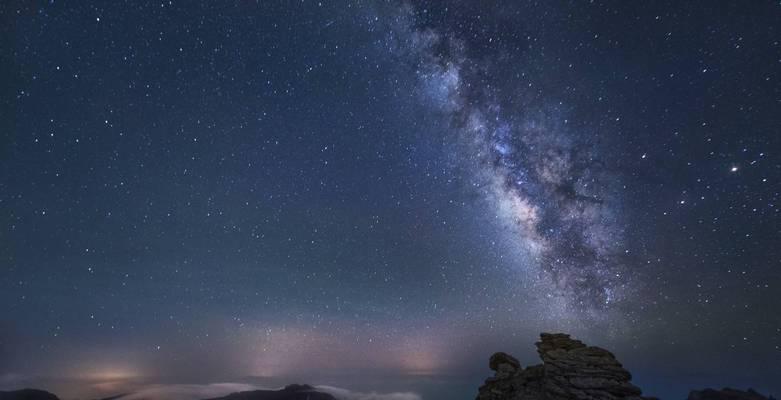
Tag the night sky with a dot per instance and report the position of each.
(379, 195)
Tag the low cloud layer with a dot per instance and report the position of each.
(188, 392)
(344, 394)
(199, 392)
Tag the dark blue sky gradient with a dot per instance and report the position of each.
(378, 195)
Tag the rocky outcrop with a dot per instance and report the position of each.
(570, 370)
(726, 394)
(27, 394)
(504, 364)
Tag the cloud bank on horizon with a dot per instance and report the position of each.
(206, 391)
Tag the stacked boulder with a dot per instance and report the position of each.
(570, 370)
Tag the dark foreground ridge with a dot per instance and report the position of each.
(290, 392)
(726, 394)
(27, 394)
(571, 370)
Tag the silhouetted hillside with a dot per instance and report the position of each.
(27, 394)
(726, 394)
(290, 392)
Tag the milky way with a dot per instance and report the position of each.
(547, 181)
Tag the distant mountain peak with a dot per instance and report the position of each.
(289, 392)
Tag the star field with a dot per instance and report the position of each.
(379, 195)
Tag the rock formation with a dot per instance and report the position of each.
(570, 370)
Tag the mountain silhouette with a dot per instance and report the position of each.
(290, 392)
(27, 394)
